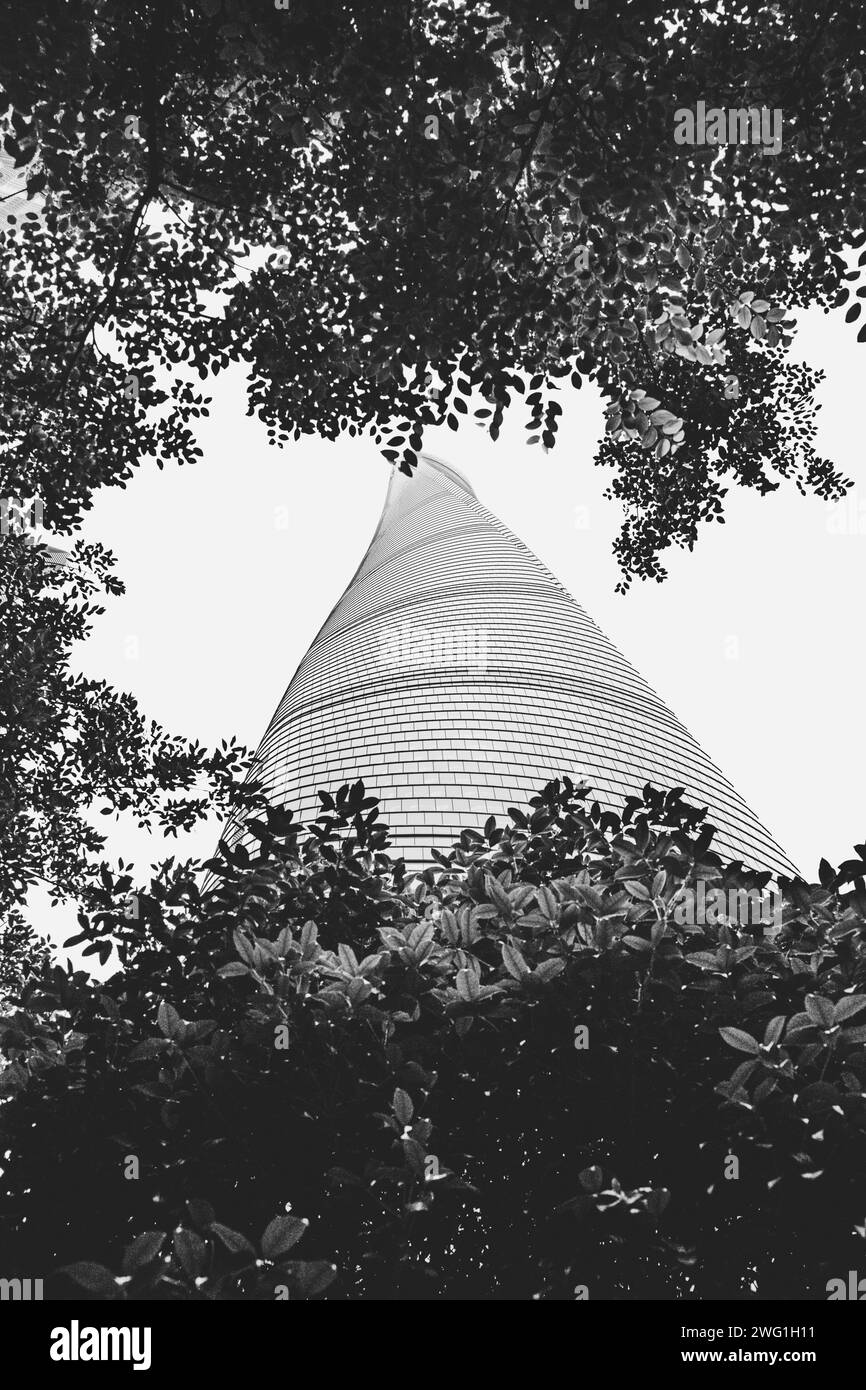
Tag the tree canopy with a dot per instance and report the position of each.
(414, 212)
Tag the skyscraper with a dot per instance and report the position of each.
(456, 675)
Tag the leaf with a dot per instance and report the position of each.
(169, 1020)
(820, 1010)
(232, 1240)
(143, 1251)
(743, 1042)
(93, 1277)
(191, 1252)
(657, 1201)
(233, 969)
(284, 941)
(281, 1234)
(547, 901)
(314, 1276)
(402, 1107)
(591, 1179)
(637, 890)
(514, 962)
(151, 1047)
(826, 873)
(704, 960)
(415, 1156)
(548, 970)
(518, 897)
(244, 948)
(201, 1213)
(848, 1006)
(466, 984)
(497, 893)
(637, 943)
(450, 928)
(421, 935)
(819, 1097)
(347, 958)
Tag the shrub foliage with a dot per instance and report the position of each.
(513, 1075)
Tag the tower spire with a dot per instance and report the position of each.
(456, 676)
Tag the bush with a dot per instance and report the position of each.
(520, 1074)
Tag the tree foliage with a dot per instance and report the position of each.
(22, 951)
(70, 745)
(514, 1075)
(404, 214)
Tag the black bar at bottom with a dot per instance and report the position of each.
(59, 1340)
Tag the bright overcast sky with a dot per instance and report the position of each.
(753, 641)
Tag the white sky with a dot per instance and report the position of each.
(232, 566)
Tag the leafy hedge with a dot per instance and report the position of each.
(515, 1075)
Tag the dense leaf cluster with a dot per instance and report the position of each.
(517, 1074)
(406, 214)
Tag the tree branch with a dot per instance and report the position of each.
(534, 138)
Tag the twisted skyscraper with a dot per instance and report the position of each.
(456, 676)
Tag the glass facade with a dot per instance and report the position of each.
(456, 676)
